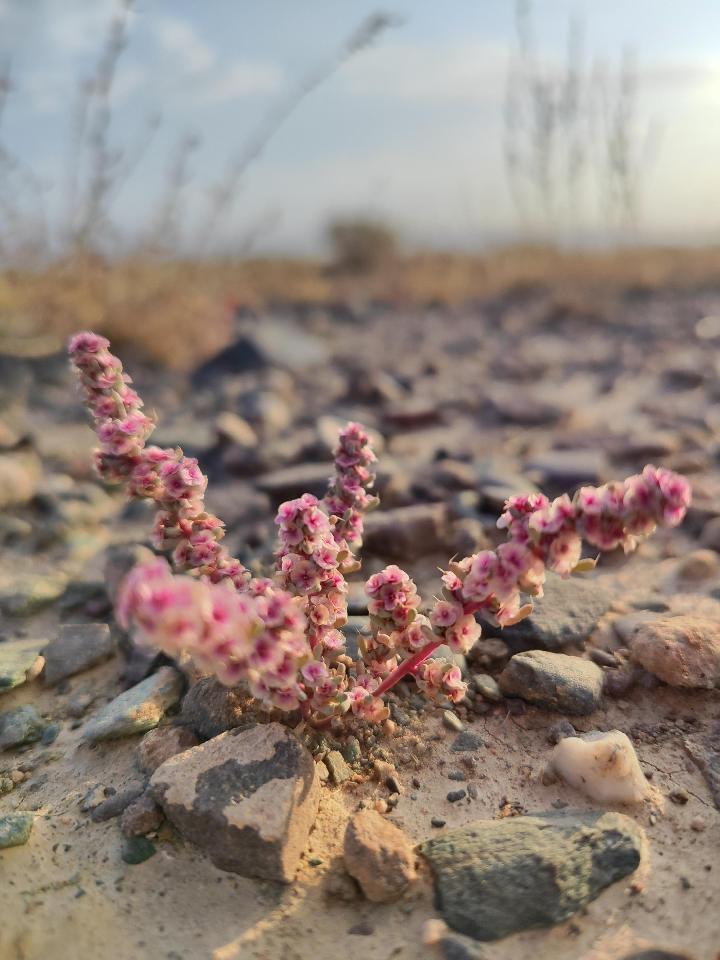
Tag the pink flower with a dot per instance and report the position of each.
(445, 613)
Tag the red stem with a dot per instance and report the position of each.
(407, 666)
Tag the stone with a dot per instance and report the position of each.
(20, 473)
(120, 558)
(455, 795)
(379, 856)
(337, 767)
(569, 468)
(682, 651)
(138, 709)
(565, 616)
(487, 687)
(467, 742)
(497, 877)
(116, 803)
(17, 659)
(456, 947)
(160, 744)
(291, 482)
(452, 721)
(705, 753)
(137, 850)
(141, 816)
(15, 829)
(710, 536)
(698, 566)
(31, 592)
(556, 680)
(20, 726)
(248, 798)
(603, 766)
(406, 533)
(210, 708)
(77, 647)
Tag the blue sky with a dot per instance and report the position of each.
(410, 130)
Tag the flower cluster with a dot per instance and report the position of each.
(347, 497)
(258, 638)
(282, 637)
(174, 481)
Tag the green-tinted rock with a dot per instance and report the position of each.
(32, 592)
(138, 709)
(15, 829)
(137, 850)
(20, 726)
(339, 770)
(16, 658)
(497, 877)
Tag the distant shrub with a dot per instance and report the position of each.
(361, 245)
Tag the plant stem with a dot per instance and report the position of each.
(407, 666)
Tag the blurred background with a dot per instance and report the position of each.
(164, 163)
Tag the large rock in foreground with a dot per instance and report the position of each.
(568, 684)
(248, 798)
(497, 877)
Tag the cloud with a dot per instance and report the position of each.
(179, 38)
(242, 80)
(430, 73)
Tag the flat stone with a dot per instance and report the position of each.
(210, 708)
(497, 877)
(15, 829)
(247, 797)
(682, 651)
(138, 709)
(17, 657)
(379, 856)
(160, 744)
(77, 647)
(337, 767)
(291, 482)
(406, 533)
(569, 468)
(467, 742)
(116, 803)
(137, 850)
(456, 947)
(487, 687)
(568, 684)
(565, 616)
(20, 726)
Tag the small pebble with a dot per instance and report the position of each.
(437, 822)
(381, 805)
(456, 775)
(697, 824)
(452, 721)
(456, 795)
(472, 791)
(433, 931)
(679, 796)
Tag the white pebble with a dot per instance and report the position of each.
(604, 766)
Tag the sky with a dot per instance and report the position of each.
(411, 130)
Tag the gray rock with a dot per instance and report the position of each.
(555, 680)
(17, 657)
(497, 877)
(565, 616)
(406, 533)
(138, 709)
(487, 687)
(20, 726)
(210, 708)
(116, 803)
(120, 558)
(569, 468)
(137, 850)
(15, 829)
(467, 742)
(291, 482)
(247, 797)
(456, 947)
(337, 767)
(705, 753)
(78, 647)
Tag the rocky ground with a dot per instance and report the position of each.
(132, 806)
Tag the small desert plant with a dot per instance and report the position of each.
(361, 245)
(281, 636)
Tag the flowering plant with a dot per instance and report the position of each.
(282, 636)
